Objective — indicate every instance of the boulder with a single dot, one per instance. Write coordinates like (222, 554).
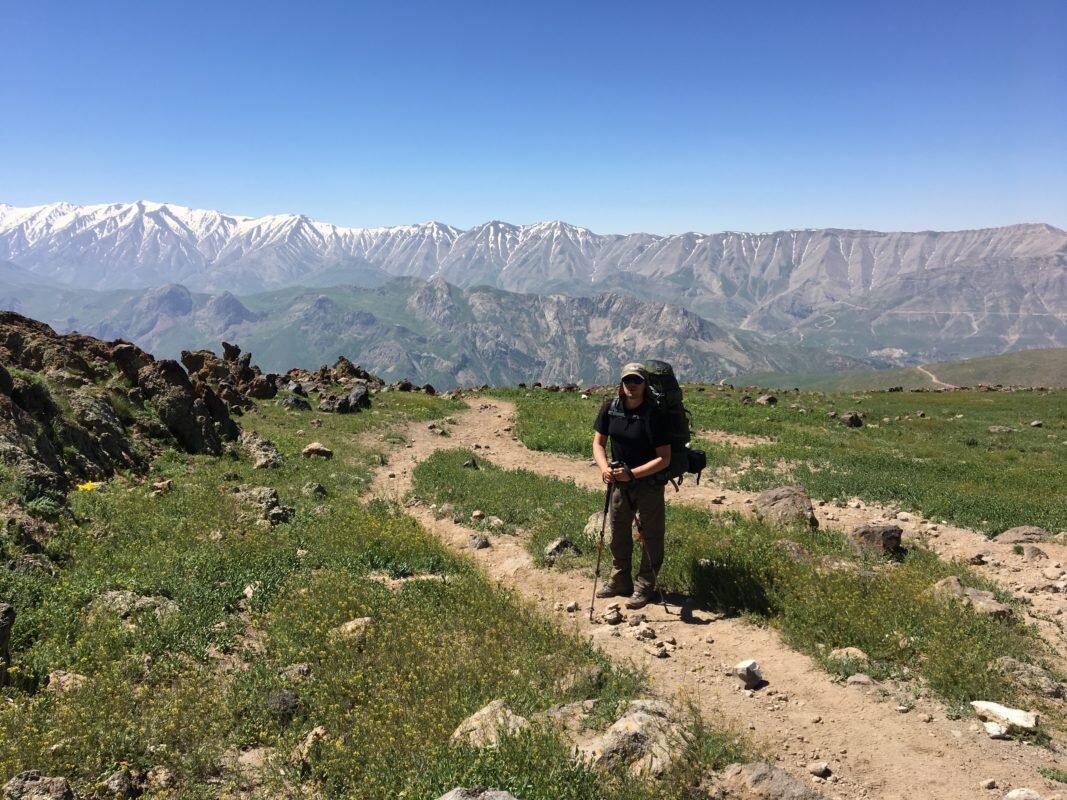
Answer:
(749, 673)
(265, 500)
(1023, 534)
(645, 740)
(591, 531)
(294, 403)
(1003, 715)
(1031, 677)
(786, 505)
(884, 539)
(262, 451)
(129, 605)
(31, 785)
(569, 718)
(767, 400)
(558, 548)
(981, 601)
(317, 450)
(485, 727)
(851, 419)
(1023, 794)
(758, 781)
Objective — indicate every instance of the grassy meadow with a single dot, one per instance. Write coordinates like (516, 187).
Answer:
(250, 661)
(929, 452)
(833, 599)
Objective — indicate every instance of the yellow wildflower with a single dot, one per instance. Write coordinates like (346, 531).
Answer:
(88, 486)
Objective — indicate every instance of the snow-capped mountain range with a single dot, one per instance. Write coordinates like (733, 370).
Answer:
(850, 289)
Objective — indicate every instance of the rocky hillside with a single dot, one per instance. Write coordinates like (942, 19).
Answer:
(77, 408)
(434, 332)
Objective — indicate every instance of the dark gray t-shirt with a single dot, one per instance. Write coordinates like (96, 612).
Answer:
(629, 435)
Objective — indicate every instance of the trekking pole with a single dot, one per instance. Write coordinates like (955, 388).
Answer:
(600, 547)
(644, 555)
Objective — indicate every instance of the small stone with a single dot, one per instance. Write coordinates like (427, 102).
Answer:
(820, 769)
(988, 783)
(861, 680)
(314, 490)
(612, 616)
(996, 730)
(1036, 423)
(478, 542)
(477, 514)
(572, 607)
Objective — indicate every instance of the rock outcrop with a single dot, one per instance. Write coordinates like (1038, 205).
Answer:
(73, 407)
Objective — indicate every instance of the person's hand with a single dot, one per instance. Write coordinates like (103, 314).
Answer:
(620, 474)
(606, 475)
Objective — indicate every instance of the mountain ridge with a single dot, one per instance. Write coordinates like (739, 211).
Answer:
(962, 293)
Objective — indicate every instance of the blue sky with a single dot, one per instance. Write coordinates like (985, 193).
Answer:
(619, 116)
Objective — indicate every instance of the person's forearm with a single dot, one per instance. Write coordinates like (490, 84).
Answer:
(650, 467)
(600, 456)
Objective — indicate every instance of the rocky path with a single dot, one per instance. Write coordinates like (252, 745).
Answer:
(801, 716)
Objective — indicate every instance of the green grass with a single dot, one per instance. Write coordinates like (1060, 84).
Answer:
(437, 649)
(945, 465)
(835, 599)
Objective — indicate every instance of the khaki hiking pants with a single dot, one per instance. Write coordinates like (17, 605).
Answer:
(647, 501)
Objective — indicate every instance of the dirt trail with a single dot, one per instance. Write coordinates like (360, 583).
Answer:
(937, 381)
(802, 715)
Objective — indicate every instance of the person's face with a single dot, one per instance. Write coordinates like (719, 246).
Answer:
(633, 387)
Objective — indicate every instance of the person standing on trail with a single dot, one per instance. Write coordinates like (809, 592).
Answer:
(640, 445)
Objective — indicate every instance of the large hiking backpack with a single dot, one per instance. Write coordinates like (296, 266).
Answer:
(665, 393)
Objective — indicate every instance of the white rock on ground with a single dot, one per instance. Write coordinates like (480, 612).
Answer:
(1010, 717)
(477, 794)
(1022, 794)
(484, 727)
(749, 673)
(995, 730)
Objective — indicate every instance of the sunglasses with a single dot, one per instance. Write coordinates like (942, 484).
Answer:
(633, 380)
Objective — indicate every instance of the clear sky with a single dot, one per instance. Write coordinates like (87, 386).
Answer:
(619, 116)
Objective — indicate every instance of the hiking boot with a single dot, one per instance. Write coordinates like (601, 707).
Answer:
(638, 599)
(608, 590)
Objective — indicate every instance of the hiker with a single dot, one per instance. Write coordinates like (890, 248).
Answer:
(640, 440)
